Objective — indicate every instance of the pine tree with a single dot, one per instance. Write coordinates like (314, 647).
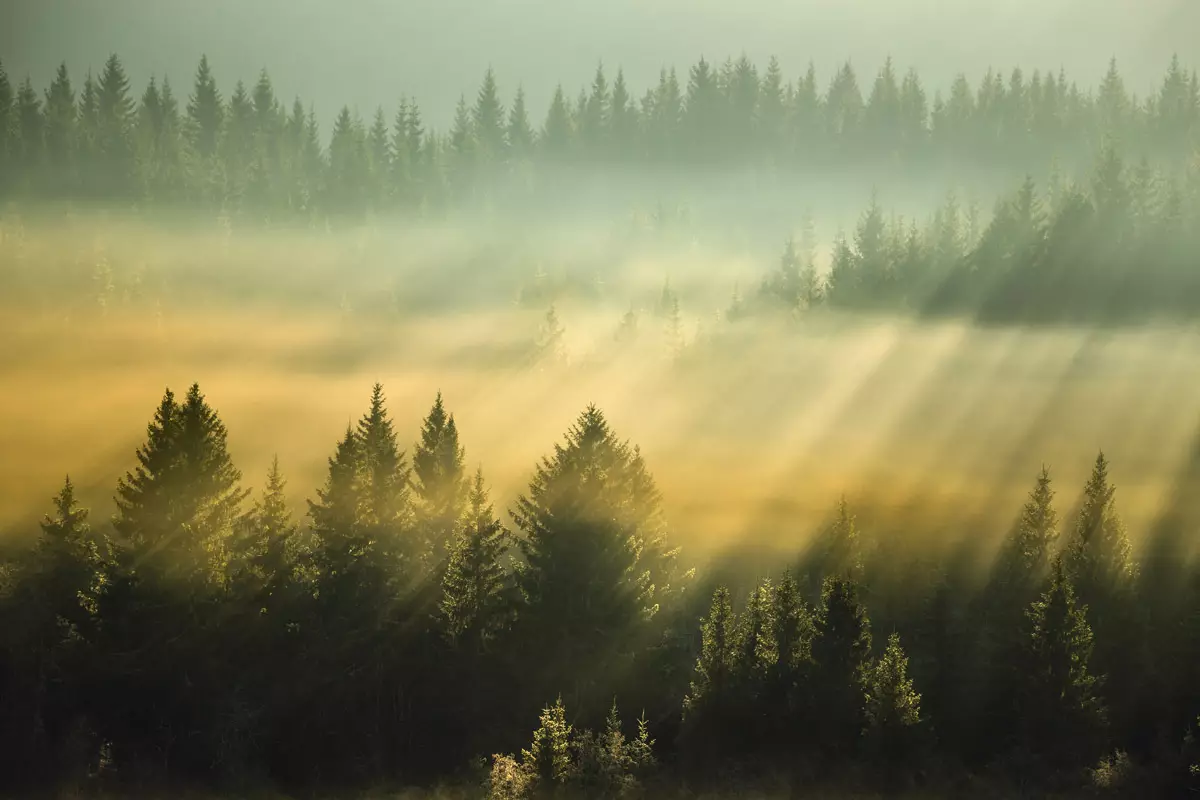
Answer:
(549, 755)
(487, 120)
(335, 514)
(597, 115)
(596, 564)
(348, 167)
(711, 693)
(61, 134)
(556, 132)
(478, 599)
(519, 133)
(841, 651)
(8, 144)
(205, 113)
(68, 569)
(464, 151)
(1098, 554)
(114, 118)
(439, 484)
(267, 549)
(892, 708)
(30, 134)
(1026, 552)
(622, 120)
(386, 511)
(379, 157)
(757, 650)
(1061, 711)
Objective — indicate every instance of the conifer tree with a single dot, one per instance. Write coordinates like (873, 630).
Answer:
(386, 510)
(556, 132)
(439, 482)
(711, 694)
(596, 564)
(348, 167)
(597, 115)
(30, 134)
(1098, 554)
(549, 755)
(176, 510)
(114, 119)
(757, 650)
(267, 549)
(205, 113)
(464, 150)
(69, 569)
(478, 596)
(841, 651)
(622, 120)
(379, 157)
(519, 133)
(892, 706)
(335, 514)
(1026, 552)
(8, 144)
(1062, 714)
(487, 120)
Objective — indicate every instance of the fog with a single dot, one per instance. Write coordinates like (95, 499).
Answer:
(367, 54)
(935, 427)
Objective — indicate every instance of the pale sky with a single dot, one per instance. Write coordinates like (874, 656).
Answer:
(368, 52)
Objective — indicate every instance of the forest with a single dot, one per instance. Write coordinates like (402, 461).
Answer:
(867, 540)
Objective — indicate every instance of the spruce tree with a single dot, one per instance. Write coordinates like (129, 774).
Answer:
(68, 569)
(556, 132)
(711, 695)
(841, 652)
(1025, 554)
(596, 563)
(1061, 712)
(1098, 555)
(519, 133)
(623, 121)
(267, 549)
(892, 708)
(548, 758)
(8, 145)
(335, 514)
(478, 595)
(205, 114)
(60, 131)
(439, 483)
(386, 513)
(114, 118)
(487, 120)
(30, 134)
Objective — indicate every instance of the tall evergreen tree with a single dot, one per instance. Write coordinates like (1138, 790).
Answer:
(61, 133)
(114, 118)
(478, 595)
(439, 482)
(487, 120)
(893, 706)
(1062, 714)
(519, 133)
(841, 651)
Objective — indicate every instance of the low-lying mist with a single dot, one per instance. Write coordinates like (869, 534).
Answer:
(752, 435)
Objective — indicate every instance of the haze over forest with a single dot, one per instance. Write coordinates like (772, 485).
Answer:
(517, 400)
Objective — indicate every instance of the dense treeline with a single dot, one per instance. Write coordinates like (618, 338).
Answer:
(1118, 246)
(403, 631)
(250, 154)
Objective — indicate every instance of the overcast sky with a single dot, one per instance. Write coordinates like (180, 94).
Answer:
(368, 52)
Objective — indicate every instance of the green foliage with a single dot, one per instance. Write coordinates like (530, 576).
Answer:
(892, 707)
(1062, 713)
(842, 652)
(439, 484)
(478, 594)
(549, 757)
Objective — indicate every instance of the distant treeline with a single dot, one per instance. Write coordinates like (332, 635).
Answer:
(403, 630)
(1121, 246)
(250, 154)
